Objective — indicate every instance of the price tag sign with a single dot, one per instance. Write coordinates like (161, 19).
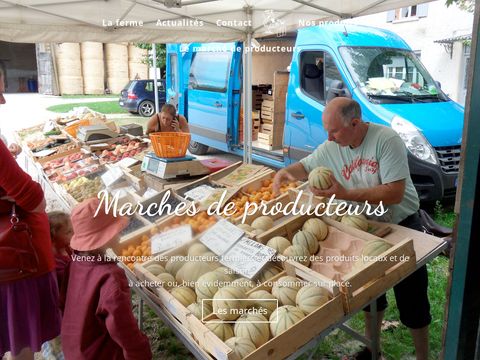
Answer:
(127, 162)
(247, 257)
(112, 176)
(200, 192)
(149, 193)
(171, 239)
(221, 236)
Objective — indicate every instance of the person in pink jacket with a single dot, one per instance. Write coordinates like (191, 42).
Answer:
(98, 322)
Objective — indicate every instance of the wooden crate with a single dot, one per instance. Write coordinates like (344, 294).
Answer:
(287, 342)
(165, 299)
(358, 287)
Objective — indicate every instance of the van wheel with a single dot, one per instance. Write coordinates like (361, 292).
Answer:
(197, 148)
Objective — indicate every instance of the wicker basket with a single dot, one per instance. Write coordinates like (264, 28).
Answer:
(170, 144)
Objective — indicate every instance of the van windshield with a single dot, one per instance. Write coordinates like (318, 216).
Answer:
(387, 75)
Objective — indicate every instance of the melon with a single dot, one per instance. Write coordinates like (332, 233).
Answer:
(316, 227)
(184, 294)
(298, 253)
(307, 240)
(228, 302)
(223, 330)
(191, 271)
(245, 227)
(208, 284)
(262, 223)
(263, 300)
(197, 249)
(311, 297)
(174, 264)
(375, 247)
(229, 274)
(253, 327)
(257, 232)
(155, 269)
(244, 284)
(357, 221)
(320, 178)
(240, 346)
(371, 250)
(196, 309)
(268, 272)
(284, 317)
(167, 280)
(210, 257)
(285, 289)
(279, 243)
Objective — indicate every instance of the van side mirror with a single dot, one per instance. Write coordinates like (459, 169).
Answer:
(439, 84)
(336, 89)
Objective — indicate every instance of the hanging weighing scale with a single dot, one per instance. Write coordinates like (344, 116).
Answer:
(168, 168)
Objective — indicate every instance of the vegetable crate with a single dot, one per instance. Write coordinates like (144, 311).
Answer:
(337, 254)
(277, 347)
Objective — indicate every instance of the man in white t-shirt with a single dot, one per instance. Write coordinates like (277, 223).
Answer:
(369, 163)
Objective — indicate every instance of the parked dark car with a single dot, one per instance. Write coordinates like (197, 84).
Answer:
(138, 97)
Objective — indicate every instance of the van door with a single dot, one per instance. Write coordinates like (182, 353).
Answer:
(316, 71)
(210, 90)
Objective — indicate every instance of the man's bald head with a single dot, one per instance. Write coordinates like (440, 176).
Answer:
(342, 120)
(344, 108)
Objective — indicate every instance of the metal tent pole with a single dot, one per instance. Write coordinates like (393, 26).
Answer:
(247, 94)
(155, 83)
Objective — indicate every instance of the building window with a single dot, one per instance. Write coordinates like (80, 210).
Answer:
(407, 13)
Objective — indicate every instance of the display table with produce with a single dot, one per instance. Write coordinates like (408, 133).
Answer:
(300, 277)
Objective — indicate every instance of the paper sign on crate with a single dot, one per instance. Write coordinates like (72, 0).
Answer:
(112, 176)
(247, 257)
(127, 162)
(200, 192)
(221, 236)
(172, 238)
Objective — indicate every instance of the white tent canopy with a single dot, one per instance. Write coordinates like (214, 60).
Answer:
(170, 21)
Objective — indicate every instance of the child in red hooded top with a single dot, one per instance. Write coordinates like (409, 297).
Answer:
(98, 322)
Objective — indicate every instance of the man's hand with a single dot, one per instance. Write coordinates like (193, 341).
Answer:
(336, 188)
(15, 150)
(280, 177)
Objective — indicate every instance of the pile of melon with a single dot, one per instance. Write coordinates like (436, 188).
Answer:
(289, 301)
(305, 242)
(196, 275)
(258, 225)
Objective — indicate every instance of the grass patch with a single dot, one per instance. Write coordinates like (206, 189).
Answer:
(104, 107)
(443, 215)
(90, 96)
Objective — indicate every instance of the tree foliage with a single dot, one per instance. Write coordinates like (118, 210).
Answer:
(161, 55)
(467, 5)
